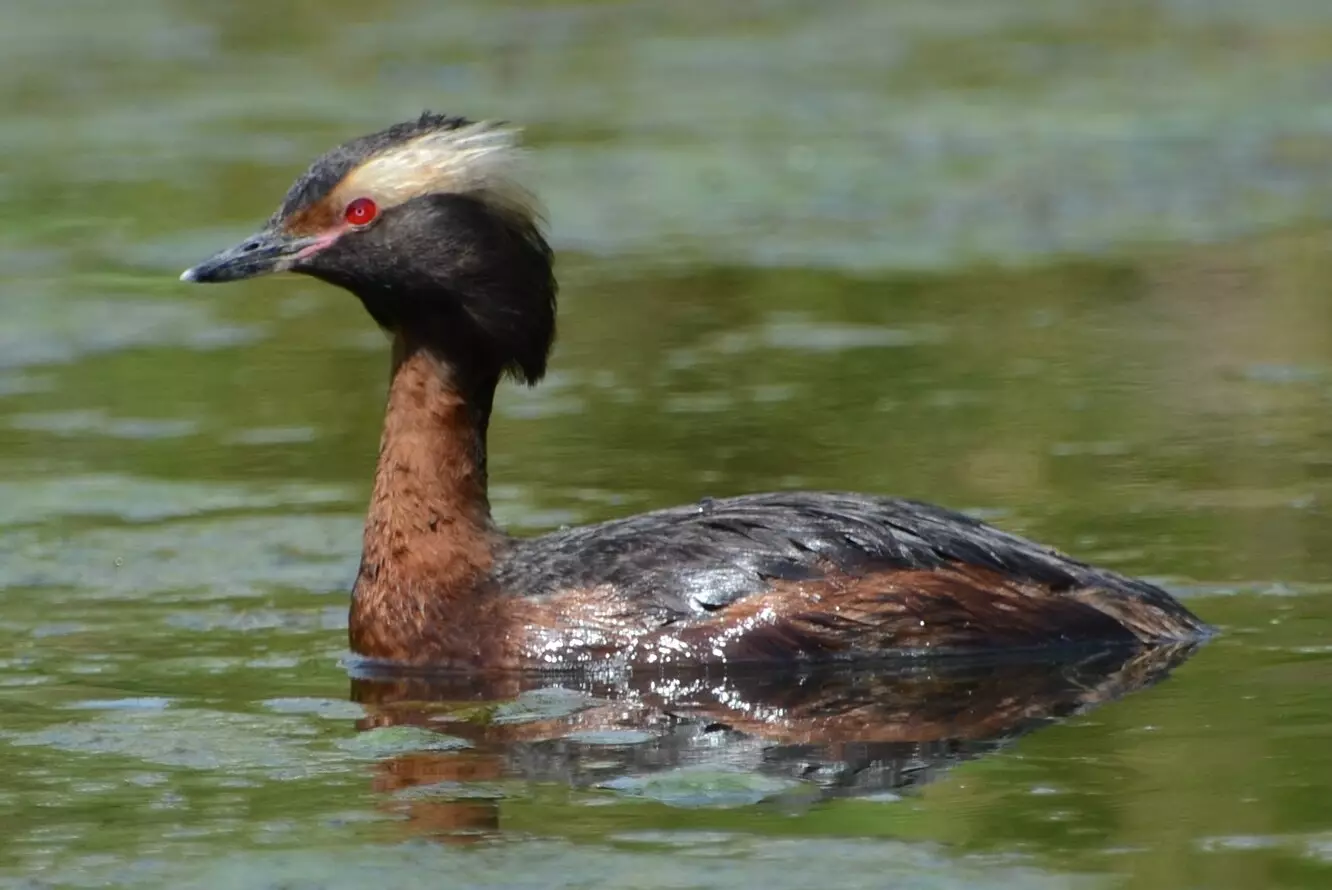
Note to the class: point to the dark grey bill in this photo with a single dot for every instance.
(261, 254)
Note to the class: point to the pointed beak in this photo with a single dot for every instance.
(268, 251)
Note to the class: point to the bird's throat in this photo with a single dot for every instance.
(429, 540)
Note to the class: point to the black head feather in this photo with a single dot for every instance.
(332, 167)
(465, 270)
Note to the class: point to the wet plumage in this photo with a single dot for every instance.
(426, 225)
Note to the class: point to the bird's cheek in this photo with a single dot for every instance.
(321, 244)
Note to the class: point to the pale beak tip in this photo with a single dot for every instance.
(189, 275)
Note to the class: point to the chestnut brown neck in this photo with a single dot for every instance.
(429, 539)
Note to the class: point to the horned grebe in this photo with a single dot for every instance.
(425, 224)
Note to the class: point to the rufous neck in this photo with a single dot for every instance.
(429, 516)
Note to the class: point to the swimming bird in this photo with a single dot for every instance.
(427, 224)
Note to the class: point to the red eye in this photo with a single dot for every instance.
(362, 212)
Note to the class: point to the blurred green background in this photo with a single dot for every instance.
(1061, 262)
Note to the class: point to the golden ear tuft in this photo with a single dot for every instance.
(474, 159)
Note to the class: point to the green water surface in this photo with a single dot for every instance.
(1063, 263)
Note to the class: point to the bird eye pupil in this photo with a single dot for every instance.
(361, 211)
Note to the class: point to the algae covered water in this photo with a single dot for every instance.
(1062, 264)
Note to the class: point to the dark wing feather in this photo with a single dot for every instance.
(686, 561)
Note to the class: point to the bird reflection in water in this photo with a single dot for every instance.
(840, 732)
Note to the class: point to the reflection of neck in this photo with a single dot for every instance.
(429, 539)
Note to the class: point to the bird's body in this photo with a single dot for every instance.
(423, 224)
(811, 576)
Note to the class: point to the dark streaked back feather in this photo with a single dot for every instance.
(687, 561)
